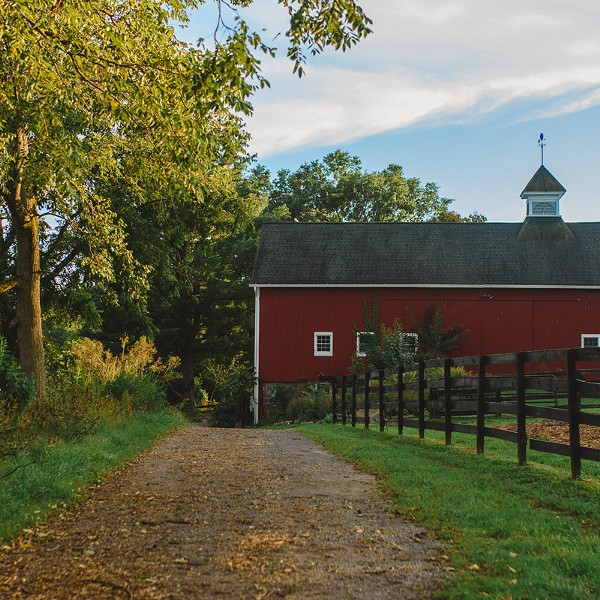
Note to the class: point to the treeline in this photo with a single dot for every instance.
(181, 276)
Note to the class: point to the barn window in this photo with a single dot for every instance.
(362, 340)
(410, 342)
(323, 343)
(590, 340)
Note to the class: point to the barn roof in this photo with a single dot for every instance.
(541, 251)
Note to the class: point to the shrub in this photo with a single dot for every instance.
(386, 347)
(16, 388)
(137, 392)
(328, 418)
(92, 383)
(139, 359)
(69, 412)
(16, 392)
(435, 373)
(230, 411)
(313, 403)
(434, 340)
(232, 397)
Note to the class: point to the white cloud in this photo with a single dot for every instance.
(434, 59)
(343, 105)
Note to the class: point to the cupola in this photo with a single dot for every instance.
(543, 194)
(544, 191)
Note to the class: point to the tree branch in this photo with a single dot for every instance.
(8, 285)
(63, 264)
(54, 244)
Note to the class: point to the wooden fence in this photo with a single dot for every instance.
(481, 393)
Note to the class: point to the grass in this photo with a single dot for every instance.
(531, 531)
(53, 477)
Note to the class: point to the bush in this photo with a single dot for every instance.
(312, 404)
(69, 412)
(16, 392)
(92, 383)
(16, 388)
(137, 392)
(232, 397)
(385, 347)
(435, 373)
(436, 341)
(230, 411)
(135, 378)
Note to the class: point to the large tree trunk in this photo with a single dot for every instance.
(25, 220)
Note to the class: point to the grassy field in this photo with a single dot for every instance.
(50, 478)
(511, 532)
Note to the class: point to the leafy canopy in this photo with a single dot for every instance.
(337, 188)
(105, 91)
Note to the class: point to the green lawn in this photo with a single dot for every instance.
(532, 531)
(53, 477)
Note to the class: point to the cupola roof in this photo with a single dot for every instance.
(542, 182)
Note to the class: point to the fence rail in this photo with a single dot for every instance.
(482, 393)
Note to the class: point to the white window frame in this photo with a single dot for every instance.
(358, 334)
(537, 201)
(590, 336)
(315, 346)
(416, 338)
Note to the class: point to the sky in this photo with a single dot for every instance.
(455, 91)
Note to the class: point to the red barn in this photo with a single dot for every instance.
(514, 286)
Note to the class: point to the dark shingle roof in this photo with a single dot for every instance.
(548, 253)
(543, 181)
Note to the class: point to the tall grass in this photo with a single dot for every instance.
(100, 411)
(511, 532)
(45, 479)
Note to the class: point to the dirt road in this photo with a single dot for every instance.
(212, 513)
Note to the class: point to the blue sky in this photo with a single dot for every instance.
(455, 91)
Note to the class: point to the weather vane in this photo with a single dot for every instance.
(541, 144)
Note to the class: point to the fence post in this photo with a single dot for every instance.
(574, 407)
(344, 405)
(521, 408)
(367, 399)
(447, 402)
(334, 399)
(354, 382)
(400, 399)
(421, 399)
(381, 401)
(480, 404)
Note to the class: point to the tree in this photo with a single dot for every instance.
(382, 347)
(200, 300)
(339, 189)
(102, 90)
(436, 341)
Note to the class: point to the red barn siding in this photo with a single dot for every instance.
(508, 321)
(564, 318)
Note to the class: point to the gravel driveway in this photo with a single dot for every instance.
(226, 513)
